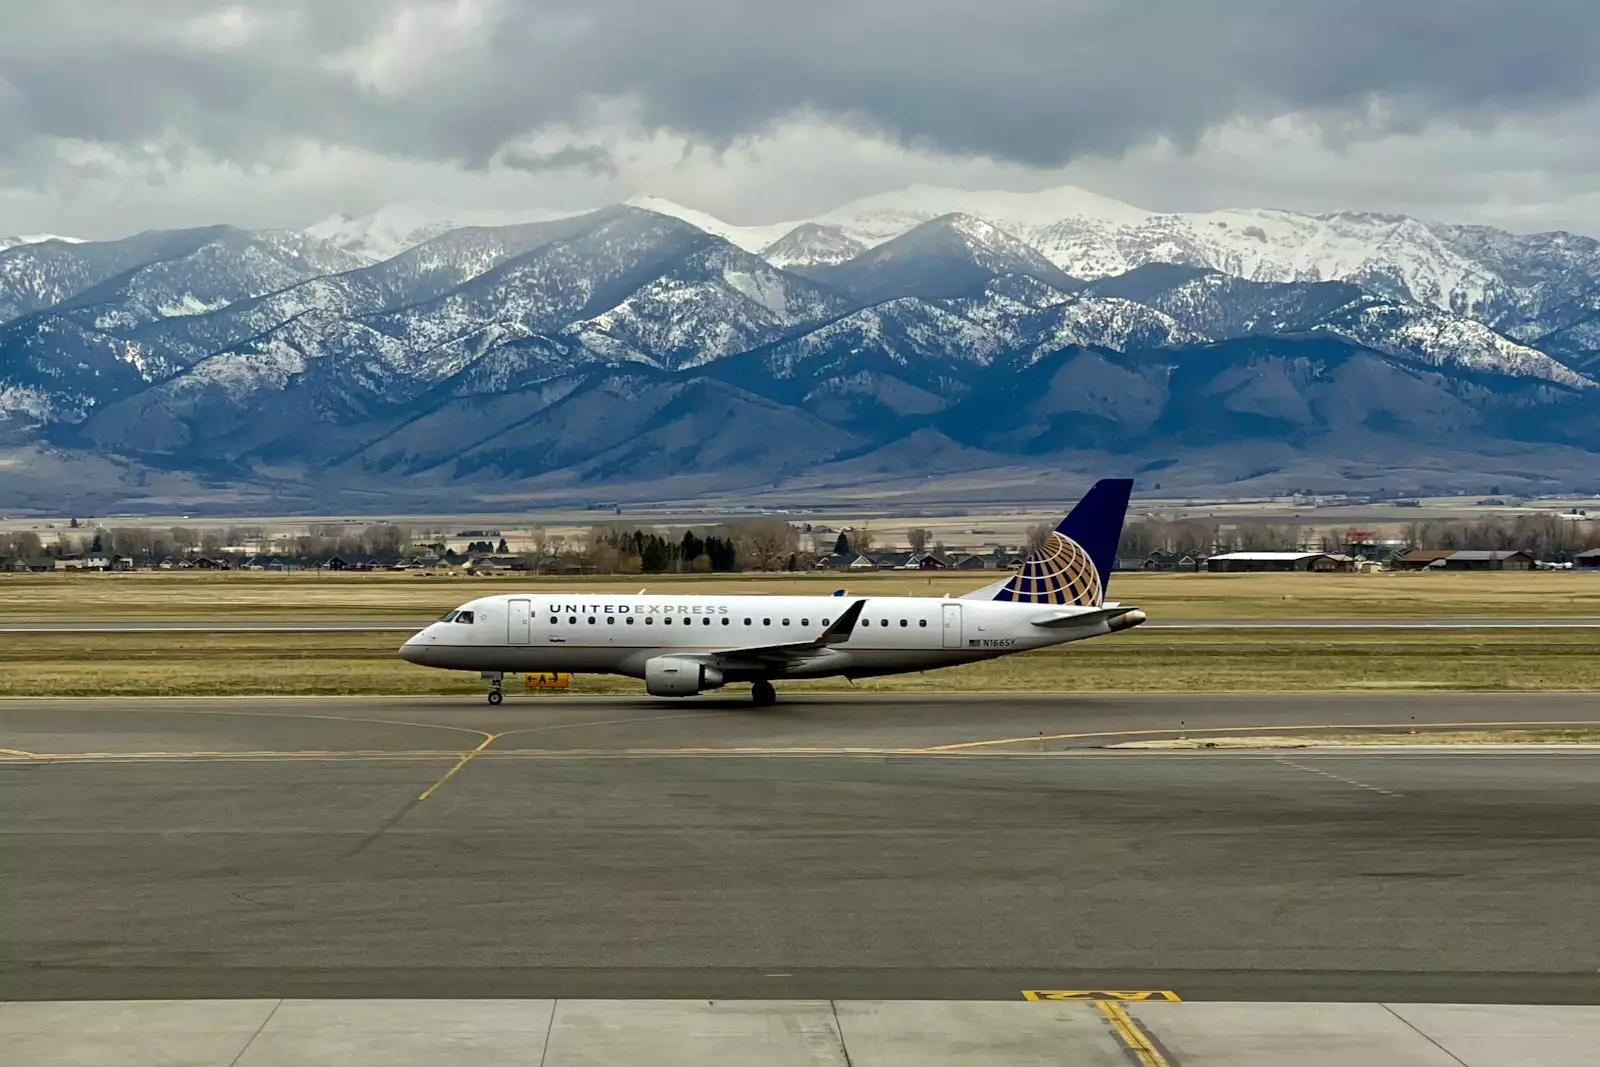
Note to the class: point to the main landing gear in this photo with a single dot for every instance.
(762, 695)
(496, 694)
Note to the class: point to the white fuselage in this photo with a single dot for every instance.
(617, 634)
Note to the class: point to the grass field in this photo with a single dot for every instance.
(1139, 660)
(258, 596)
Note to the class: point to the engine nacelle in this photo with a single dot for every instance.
(679, 676)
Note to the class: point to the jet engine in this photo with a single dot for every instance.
(679, 676)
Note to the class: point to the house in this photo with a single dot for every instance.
(334, 563)
(1498, 560)
(1234, 562)
(926, 561)
(889, 561)
(207, 563)
(1419, 558)
(1171, 561)
(1466, 559)
(1587, 558)
(972, 563)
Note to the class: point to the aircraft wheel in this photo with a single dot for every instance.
(762, 695)
(495, 696)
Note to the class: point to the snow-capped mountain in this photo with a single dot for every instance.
(812, 245)
(1511, 282)
(948, 256)
(389, 231)
(654, 346)
(35, 239)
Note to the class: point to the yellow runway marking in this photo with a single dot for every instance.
(490, 739)
(1143, 1049)
(1099, 994)
(1337, 777)
(465, 759)
(964, 745)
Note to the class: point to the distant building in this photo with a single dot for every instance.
(1420, 558)
(1589, 558)
(1465, 559)
(1474, 560)
(1171, 561)
(1229, 562)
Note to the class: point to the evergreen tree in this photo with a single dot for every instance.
(842, 545)
(654, 559)
(503, 547)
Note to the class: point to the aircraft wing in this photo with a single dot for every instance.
(1117, 616)
(838, 632)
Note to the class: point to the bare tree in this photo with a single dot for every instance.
(1038, 534)
(918, 537)
(860, 539)
(764, 544)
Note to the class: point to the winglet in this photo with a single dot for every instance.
(843, 626)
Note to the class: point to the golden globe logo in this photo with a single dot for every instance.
(1061, 572)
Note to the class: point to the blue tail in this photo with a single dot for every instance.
(1074, 565)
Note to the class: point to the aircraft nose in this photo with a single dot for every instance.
(414, 651)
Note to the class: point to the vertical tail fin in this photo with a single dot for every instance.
(1074, 564)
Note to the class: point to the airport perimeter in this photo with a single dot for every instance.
(858, 877)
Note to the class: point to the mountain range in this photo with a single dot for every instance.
(926, 343)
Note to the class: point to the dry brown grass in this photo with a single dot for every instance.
(1138, 661)
(256, 596)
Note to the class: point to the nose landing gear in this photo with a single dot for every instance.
(496, 694)
(762, 695)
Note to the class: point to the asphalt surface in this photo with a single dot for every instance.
(883, 848)
(314, 626)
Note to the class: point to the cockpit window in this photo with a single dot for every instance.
(450, 617)
(464, 616)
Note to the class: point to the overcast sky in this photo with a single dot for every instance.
(118, 115)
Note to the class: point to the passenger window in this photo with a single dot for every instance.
(766, 622)
(805, 622)
(725, 620)
(465, 616)
(922, 622)
(572, 620)
(667, 621)
(611, 620)
(591, 620)
(747, 622)
(648, 621)
(554, 620)
(904, 623)
(705, 622)
(824, 622)
(630, 620)
(786, 622)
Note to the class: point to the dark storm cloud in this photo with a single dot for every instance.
(1033, 81)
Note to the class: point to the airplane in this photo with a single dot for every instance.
(684, 645)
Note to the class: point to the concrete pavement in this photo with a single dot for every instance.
(814, 1033)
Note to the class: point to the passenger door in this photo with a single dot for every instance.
(519, 618)
(952, 625)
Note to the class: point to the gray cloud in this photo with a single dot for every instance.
(590, 159)
(1033, 81)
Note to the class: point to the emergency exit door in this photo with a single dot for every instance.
(518, 622)
(952, 625)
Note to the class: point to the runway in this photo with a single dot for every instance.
(827, 848)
